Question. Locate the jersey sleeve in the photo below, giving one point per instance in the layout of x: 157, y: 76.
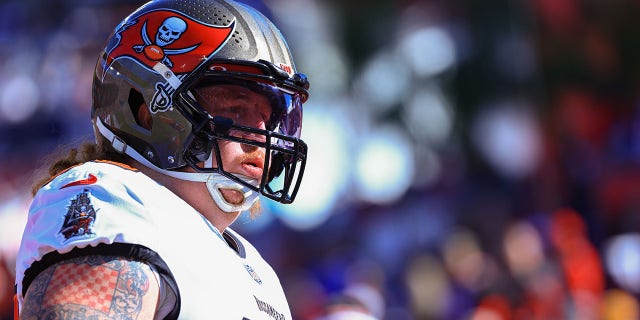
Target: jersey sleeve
x: 87, y: 206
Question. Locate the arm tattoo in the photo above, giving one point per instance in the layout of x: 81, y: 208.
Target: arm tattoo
x: 92, y: 287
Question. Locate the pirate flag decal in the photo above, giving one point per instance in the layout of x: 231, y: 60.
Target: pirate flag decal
x: 80, y: 217
x: 170, y: 43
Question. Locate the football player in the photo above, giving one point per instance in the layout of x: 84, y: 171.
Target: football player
x: 197, y: 110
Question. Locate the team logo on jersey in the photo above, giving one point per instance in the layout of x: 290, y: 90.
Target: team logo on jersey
x: 253, y: 274
x: 80, y: 217
x: 176, y: 41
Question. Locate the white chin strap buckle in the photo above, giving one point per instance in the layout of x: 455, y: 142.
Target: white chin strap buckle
x: 217, y: 182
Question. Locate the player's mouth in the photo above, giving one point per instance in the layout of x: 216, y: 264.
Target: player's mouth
x: 253, y: 168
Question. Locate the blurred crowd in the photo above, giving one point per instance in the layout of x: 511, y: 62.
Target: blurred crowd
x: 522, y: 121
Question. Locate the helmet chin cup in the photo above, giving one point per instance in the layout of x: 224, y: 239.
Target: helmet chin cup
x: 216, y: 182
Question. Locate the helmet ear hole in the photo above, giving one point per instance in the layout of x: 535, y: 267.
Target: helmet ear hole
x: 139, y: 109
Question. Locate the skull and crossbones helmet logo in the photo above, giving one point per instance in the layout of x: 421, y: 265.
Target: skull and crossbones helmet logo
x: 170, y: 30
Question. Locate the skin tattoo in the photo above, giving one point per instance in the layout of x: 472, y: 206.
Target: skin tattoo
x: 115, y: 290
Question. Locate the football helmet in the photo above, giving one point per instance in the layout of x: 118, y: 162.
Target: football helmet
x: 166, y: 56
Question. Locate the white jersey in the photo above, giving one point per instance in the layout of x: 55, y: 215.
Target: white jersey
x: 102, y: 205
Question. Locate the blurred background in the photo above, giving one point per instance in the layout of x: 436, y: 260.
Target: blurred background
x: 468, y: 159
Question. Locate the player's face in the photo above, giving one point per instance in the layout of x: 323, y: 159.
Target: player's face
x: 245, y: 107
x: 248, y: 109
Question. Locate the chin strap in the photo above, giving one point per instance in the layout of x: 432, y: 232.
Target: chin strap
x: 214, y: 181
x: 218, y: 182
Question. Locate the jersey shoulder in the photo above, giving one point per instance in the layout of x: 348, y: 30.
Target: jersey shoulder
x: 89, y: 202
x: 87, y: 205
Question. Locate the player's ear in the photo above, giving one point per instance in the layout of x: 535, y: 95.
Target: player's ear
x: 144, y: 116
x: 139, y: 109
